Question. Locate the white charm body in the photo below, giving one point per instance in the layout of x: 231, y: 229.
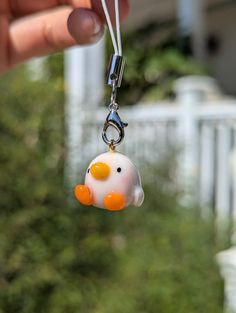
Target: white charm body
x: 114, y: 182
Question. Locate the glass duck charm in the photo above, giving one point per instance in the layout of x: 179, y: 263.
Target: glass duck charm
x: 112, y: 182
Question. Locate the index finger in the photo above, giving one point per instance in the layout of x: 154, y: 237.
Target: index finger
x: 24, y: 7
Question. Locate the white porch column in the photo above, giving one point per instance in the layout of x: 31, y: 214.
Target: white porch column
x: 192, y: 23
x: 227, y: 262
x: 187, y: 98
x: 84, y: 84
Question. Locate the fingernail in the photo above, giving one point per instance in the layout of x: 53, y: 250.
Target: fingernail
x: 85, y: 26
x: 97, y: 25
x: 96, y: 37
x: 98, y: 29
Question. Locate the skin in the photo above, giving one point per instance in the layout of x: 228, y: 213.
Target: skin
x: 30, y: 28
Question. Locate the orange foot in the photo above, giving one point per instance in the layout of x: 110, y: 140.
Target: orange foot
x: 114, y: 201
x: 83, y: 194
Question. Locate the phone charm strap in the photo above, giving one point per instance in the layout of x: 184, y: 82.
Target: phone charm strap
x: 112, y: 181
x: 114, y: 78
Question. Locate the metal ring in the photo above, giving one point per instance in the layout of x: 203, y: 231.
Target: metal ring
x: 113, y: 106
x: 112, y: 147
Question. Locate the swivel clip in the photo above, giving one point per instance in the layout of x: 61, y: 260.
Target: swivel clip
x: 113, y: 120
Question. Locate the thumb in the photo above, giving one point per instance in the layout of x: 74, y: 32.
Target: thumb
x: 85, y: 26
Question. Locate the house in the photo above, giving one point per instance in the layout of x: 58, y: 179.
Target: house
x: 211, y: 24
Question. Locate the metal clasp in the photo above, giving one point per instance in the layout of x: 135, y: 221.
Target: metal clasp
x: 113, y: 120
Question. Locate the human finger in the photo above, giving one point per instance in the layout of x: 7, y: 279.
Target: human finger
x: 24, y: 7
x: 48, y: 32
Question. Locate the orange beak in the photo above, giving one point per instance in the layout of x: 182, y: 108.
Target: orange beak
x: 100, y: 170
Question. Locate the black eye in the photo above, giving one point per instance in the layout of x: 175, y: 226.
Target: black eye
x: 88, y: 170
x: 119, y: 170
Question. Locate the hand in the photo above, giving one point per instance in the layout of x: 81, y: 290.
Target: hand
x: 31, y: 28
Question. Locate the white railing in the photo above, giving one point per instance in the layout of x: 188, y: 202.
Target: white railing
x: 151, y: 129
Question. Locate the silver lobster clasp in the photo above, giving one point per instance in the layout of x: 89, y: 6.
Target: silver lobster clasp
x: 113, y: 120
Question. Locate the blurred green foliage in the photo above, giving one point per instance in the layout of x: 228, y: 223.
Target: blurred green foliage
x: 56, y: 257
x: 153, y: 62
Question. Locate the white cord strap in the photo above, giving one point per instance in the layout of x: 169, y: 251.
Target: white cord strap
x: 117, y: 44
